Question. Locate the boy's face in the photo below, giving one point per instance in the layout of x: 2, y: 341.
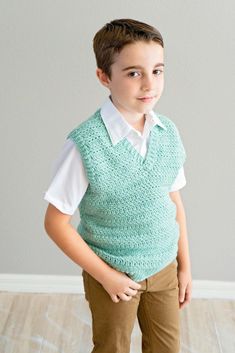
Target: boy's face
x: 137, y: 79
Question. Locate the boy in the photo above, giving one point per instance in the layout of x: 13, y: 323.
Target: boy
x: 123, y: 168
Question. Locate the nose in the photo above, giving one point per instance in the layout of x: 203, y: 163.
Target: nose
x: 147, y: 83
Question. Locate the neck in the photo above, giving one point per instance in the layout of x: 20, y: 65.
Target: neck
x: 139, y: 125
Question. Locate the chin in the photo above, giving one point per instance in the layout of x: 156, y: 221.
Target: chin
x: 148, y: 109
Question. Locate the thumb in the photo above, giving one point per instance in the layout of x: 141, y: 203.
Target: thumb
x: 181, y: 293
x: 135, y: 285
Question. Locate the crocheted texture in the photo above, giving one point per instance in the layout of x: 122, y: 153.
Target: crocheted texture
x: 126, y: 215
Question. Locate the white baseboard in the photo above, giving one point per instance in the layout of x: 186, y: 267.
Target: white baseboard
x: 74, y: 284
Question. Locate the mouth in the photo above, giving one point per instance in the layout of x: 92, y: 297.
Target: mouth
x: 147, y: 99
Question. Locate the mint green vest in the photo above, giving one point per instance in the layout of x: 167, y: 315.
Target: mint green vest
x: 126, y: 215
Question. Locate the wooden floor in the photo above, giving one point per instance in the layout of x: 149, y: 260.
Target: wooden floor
x: 49, y: 323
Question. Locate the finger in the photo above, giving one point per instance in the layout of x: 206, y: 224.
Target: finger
x: 115, y: 298
x: 181, y: 294
x: 131, y: 291
x: 188, y: 296
x: 182, y: 305
x: 186, y: 301
x: 124, y: 297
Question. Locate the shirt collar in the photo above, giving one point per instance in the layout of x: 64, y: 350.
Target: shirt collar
x: 118, y: 128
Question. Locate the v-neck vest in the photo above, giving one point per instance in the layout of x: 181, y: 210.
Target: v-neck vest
x: 126, y: 215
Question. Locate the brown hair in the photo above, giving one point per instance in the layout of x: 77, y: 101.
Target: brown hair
x: 113, y: 36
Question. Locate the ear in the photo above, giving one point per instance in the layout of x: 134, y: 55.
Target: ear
x: 103, y: 78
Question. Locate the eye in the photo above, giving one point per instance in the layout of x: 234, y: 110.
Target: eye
x: 132, y: 74
x: 159, y: 72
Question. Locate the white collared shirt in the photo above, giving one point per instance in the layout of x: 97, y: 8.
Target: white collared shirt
x: 69, y: 181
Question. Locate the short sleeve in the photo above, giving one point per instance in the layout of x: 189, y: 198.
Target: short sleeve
x: 179, y: 152
x: 180, y: 181
x: 69, y: 181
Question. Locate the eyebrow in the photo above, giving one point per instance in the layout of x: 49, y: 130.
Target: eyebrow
x: 139, y: 67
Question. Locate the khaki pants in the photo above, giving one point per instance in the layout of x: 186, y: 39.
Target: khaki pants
x: 156, y: 305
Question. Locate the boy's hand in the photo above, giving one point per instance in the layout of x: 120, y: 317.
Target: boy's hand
x: 119, y: 286
x: 185, y: 287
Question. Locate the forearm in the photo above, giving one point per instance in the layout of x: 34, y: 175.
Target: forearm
x: 72, y: 244
x: 183, y: 257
